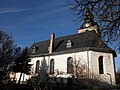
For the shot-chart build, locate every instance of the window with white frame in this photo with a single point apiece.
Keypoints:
(34, 49)
(69, 44)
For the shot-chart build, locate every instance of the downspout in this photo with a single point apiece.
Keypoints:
(114, 70)
(88, 62)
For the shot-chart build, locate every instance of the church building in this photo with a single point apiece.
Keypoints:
(85, 48)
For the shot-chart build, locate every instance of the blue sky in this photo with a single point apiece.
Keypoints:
(29, 21)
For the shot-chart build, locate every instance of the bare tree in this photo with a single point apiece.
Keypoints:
(79, 68)
(84, 76)
(106, 13)
(8, 52)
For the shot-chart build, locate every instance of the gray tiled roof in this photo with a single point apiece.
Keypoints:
(88, 40)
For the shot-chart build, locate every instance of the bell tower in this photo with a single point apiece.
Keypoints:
(88, 24)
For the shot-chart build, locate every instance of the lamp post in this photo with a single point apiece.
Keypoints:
(110, 78)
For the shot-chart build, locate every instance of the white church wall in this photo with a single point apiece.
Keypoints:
(90, 58)
(108, 66)
(61, 60)
(60, 63)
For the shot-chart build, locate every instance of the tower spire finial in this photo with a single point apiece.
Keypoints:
(88, 16)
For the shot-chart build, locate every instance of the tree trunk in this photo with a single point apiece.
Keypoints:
(20, 78)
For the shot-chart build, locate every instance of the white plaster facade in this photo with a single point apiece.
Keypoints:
(89, 58)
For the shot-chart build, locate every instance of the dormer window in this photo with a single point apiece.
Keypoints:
(34, 49)
(69, 44)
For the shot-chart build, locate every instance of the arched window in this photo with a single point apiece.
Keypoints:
(37, 66)
(70, 65)
(52, 66)
(100, 61)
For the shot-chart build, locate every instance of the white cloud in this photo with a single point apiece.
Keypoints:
(12, 10)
